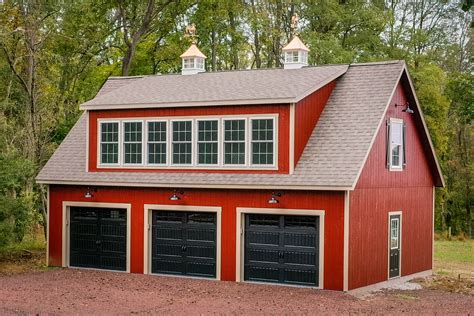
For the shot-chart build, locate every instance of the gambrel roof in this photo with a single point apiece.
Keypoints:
(332, 159)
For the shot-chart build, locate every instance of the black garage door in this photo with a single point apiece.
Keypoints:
(184, 243)
(282, 249)
(98, 238)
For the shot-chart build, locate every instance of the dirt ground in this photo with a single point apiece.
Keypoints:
(74, 291)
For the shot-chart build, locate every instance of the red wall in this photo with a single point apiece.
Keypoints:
(307, 113)
(379, 192)
(331, 202)
(283, 132)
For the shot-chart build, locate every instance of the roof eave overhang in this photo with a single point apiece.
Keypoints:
(193, 185)
(186, 104)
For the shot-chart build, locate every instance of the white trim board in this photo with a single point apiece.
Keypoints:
(345, 286)
(240, 233)
(48, 201)
(65, 227)
(200, 186)
(147, 220)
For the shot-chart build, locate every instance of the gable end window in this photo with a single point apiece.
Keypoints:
(109, 142)
(396, 144)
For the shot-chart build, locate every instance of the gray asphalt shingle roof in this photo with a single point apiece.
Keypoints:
(333, 157)
(243, 86)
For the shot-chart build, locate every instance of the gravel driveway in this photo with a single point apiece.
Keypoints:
(71, 291)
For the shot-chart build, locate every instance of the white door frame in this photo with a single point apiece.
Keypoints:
(240, 230)
(147, 220)
(400, 237)
(66, 227)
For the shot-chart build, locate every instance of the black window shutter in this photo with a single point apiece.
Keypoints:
(404, 145)
(387, 158)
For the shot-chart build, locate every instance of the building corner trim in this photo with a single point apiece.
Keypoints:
(346, 241)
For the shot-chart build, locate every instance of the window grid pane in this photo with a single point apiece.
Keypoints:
(157, 142)
(262, 142)
(207, 142)
(132, 144)
(182, 142)
(109, 143)
(234, 142)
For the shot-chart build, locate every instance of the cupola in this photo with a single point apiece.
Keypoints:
(295, 53)
(193, 59)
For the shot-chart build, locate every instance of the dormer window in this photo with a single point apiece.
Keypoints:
(229, 142)
(188, 63)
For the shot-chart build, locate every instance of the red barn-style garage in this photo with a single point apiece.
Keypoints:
(313, 176)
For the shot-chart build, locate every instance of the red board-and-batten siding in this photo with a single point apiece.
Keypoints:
(307, 113)
(195, 112)
(331, 202)
(379, 192)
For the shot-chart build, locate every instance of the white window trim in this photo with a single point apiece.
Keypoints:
(193, 149)
(392, 167)
(147, 141)
(219, 152)
(246, 142)
(99, 142)
(194, 158)
(122, 143)
(274, 140)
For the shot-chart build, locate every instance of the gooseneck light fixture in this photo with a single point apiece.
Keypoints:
(273, 199)
(175, 196)
(89, 191)
(407, 108)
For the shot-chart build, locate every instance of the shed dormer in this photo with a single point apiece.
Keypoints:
(295, 54)
(193, 61)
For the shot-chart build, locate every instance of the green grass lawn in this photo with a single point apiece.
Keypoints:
(454, 257)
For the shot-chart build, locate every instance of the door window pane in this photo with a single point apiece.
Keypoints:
(234, 142)
(207, 142)
(109, 143)
(132, 144)
(394, 231)
(182, 142)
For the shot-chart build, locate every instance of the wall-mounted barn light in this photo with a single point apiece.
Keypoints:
(407, 108)
(273, 199)
(89, 191)
(175, 196)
